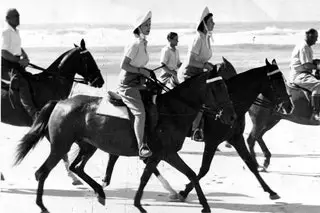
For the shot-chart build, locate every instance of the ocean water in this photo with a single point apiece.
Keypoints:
(245, 45)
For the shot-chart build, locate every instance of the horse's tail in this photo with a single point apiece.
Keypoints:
(36, 132)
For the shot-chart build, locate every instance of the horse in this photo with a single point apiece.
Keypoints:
(54, 83)
(75, 120)
(265, 119)
(243, 90)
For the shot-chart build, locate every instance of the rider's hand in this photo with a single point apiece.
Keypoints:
(208, 66)
(24, 62)
(144, 72)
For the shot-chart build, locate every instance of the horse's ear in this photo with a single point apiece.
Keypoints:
(82, 44)
(75, 45)
(274, 62)
(267, 62)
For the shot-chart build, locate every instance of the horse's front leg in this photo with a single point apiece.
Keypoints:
(207, 157)
(175, 161)
(151, 164)
(239, 144)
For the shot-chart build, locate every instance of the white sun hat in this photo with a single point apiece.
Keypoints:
(205, 12)
(141, 19)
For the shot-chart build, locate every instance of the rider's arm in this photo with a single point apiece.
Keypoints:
(9, 56)
(125, 65)
(309, 66)
(24, 54)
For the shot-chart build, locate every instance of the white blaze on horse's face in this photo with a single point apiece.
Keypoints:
(211, 80)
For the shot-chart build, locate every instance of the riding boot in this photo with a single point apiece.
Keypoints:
(25, 97)
(315, 103)
(197, 128)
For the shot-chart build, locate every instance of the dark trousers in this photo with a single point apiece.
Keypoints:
(13, 72)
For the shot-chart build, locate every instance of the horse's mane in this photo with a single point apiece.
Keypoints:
(60, 60)
(193, 82)
(248, 76)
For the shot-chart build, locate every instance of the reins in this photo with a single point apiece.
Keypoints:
(57, 75)
(217, 113)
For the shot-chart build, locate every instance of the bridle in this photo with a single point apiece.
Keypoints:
(84, 57)
(279, 100)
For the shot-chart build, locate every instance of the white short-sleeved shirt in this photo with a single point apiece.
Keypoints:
(202, 50)
(11, 40)
(170, 57)
(201, 47)
(301, 54)
(137, 52)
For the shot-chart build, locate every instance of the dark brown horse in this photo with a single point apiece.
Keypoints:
(76, 120)
(264, 119)
(243, 89)
(55, 83)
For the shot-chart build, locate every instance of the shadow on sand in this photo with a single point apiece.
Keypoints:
(216, 200)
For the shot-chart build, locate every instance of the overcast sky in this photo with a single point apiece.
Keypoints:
(125, 11)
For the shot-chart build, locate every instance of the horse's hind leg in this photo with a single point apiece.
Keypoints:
(175, 161)
(75, 180)
(148, 170)
(111, 162)
(239, 144)
(207, 157)
(85, 153)
(256, 134)
(42, 173)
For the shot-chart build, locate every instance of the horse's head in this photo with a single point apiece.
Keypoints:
(88, 68)
(217, 96)
(277, 92)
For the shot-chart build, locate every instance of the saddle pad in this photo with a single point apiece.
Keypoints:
(106, 108)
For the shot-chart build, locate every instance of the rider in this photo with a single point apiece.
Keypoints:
(14, 60)
(132, 77)
(171, 60)
(197, 60)
(302, 64)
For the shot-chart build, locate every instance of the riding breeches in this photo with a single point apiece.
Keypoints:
(308, 81)
(132, 98)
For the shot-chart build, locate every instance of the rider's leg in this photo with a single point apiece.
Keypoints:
(132, 98)
(25, 96)
(315, 102)
(197, 127)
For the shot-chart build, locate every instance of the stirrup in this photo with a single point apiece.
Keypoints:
(144, 151)
(198, 135)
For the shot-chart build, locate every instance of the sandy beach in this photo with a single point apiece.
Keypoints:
(229, 186)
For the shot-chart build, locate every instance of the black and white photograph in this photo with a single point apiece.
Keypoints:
(160, 106)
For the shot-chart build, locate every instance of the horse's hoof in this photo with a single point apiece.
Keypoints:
(1, 176)
(262, 169)
(141, 209)
(45, 211)
(174, 196)
(102, 200)
(181, 197)
(76, 182)
(274, 197)
(205, 210)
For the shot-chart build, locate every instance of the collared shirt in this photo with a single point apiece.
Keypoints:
(301, 54)
(139, 56)
(11, 40)
(201, 47)
(170, 57)
(202, 50)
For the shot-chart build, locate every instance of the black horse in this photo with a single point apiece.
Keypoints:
(76, 120)
(243, 89)
(55, 83)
